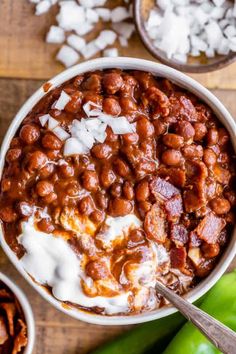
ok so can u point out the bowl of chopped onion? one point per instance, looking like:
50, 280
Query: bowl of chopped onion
192, 36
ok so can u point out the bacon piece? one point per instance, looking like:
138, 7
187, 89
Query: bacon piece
175, 175
10, 310
154, 224
210, 228
161, 189
194, 240
193, 200
174, 208
178, 257
179, 234
21, 338
3, 331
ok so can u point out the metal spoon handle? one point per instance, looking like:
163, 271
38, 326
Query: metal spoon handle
221, 336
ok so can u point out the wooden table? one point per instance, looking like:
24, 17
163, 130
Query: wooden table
24, 61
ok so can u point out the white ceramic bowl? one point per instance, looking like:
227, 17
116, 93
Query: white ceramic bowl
25, 305
181, 80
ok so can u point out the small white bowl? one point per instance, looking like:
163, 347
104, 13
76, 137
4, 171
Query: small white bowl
25, 305
181, 80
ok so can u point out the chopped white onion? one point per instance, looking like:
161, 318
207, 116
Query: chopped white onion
61, 133
42, 7
104, 14
52, 123
124, 29
67, 55
73, 147
62, 101
119, 14
90, 111
90, 50
70, 15
76, 42
121, 125
111, 52
55, 35
43, 119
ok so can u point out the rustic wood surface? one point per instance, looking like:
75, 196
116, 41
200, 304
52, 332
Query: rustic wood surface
56, 332
24, 54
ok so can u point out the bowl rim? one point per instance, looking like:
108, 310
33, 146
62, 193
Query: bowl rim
224, 60
180, 79
27, 310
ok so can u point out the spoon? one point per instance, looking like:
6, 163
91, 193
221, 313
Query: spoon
221, 336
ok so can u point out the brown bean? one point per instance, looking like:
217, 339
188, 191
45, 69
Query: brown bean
97, 270
210, 251
37, 160
74, 105
46, 171
93, 83
159, 126
209, 157
231, 196
44, 188
116, 190
112, 82
128, 190
107, 176
54, 154
29, 133
128, 105
145, 167
121, 167
73, 189
220, 205
200, 131
46, 225
50, 198
101, 151
185, 129
13, 154
90, 180
8, 214
86, 205
111, 137
173, 141
143, 208
101, 200
51, 141
119, 207
66, 170
192, 151
142, 191
15, 142
171, 157
145, 128
97, 216
111, 106
130, 138
212, 136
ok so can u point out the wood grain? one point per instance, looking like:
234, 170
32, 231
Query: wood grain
24, 54
56, 332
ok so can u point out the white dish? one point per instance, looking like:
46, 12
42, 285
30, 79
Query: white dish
181, 80
25, 305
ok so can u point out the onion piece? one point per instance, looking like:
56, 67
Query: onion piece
61, 133
62, 101
52, 123
91, 112
55, 35
76, 42
121, 125
73, 147
111, 52
67, 55
43, 119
